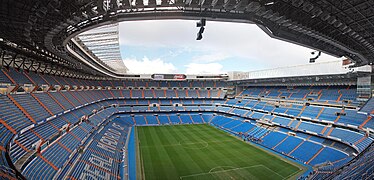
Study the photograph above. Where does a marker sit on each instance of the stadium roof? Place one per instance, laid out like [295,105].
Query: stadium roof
[103,43]
[42,30]
[315,69]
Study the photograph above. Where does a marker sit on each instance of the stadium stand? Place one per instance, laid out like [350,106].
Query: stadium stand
[368,107]
[326,94]
[51,127]
[64,109]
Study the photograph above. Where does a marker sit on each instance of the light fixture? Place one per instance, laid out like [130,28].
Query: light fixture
[313,59]
[200,24]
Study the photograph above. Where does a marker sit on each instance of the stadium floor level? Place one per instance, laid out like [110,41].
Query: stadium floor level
[204,152]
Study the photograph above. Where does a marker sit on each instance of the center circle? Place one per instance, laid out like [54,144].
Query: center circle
[193,145]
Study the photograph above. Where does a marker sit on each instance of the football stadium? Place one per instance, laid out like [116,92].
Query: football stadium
[72,108]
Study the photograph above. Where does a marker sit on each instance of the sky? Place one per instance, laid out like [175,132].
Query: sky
[170,46]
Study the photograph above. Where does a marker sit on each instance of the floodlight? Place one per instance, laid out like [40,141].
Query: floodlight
[201,30]
[199,36]
[313,59]
[201,23]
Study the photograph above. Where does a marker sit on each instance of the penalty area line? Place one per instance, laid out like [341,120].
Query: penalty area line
[215,172]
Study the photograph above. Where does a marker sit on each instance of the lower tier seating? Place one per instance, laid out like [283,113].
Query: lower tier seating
[303,148]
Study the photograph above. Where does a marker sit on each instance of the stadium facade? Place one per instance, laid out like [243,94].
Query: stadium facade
[68,113]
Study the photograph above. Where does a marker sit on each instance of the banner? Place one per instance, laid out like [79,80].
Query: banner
[168,76]
[179,76]
[158,77]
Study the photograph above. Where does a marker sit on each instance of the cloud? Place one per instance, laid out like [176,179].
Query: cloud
[147,66]
[222,40]
[209,58]
[209,68]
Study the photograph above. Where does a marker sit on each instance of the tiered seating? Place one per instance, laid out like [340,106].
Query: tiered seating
[349,94]
[289,144]
[294,111]
[232,124]
[352,117]
[140,120]
[328,155]
[163,119]
[68,95]
[207,117]
[330,94]
[313,127]
[304,147]
[186,119]
[311,112]
[3,78]
[273,138]
[46,130]
[32,106]
[241,112]
[192,93]
[137,93]
[149,94]
[109,153]
[11,115]
[50,79]
[37,79]
[257,132]
[329,114]
[368,107]
[151,119]
[62,100]
[174,119]
[197,118]
[216,93]
[59,153]
[18,76]
[41,79]
[49,102]
[243,128]
[306,151]
[256,115]
[346,135]
[361,168]
[282,121]
[81,97]
[220,120]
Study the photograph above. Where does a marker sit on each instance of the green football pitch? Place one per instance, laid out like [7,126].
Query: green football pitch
[203,152]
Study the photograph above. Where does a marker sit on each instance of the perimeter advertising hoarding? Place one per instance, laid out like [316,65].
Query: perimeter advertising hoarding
[169,76]
[158,77]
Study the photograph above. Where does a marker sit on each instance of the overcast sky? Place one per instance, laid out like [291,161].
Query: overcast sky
[169,46]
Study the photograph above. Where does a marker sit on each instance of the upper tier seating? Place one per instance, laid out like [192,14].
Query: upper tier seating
[369,106]
[330,94]
[32,106]
[18,76]
[44,79]
[334,115]
[61,100]
[4,78]
[37,79]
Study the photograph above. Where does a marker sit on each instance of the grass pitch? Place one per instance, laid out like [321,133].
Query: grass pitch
[190,152]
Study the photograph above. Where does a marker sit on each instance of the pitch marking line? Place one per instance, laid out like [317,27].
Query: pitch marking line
[215,172]
[274,172]
[221,167]
[186,144]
